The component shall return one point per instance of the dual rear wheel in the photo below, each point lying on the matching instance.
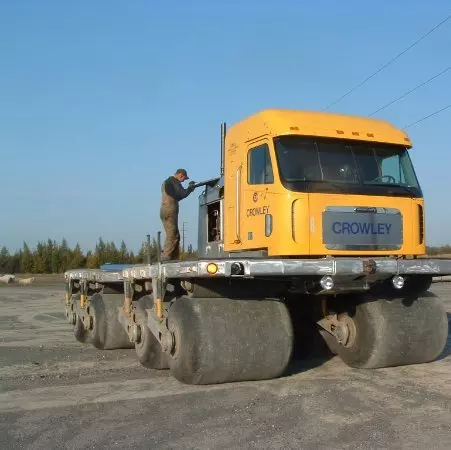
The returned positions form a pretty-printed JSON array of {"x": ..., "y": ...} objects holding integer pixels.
[
  {"x": 102, "y": 328},
  {"x": 387, "y": 332},
  {"x": 219, "y": 340},
  {"x": 226, "y": 340}
]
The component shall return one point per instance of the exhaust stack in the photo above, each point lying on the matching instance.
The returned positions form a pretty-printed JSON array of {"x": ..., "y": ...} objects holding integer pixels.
[{"x": 223, "y": 136}]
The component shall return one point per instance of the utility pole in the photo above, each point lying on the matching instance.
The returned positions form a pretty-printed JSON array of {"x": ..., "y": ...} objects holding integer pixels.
[
  {"x": 148, "y": 249},
  {"x": 183, "y": 237}
]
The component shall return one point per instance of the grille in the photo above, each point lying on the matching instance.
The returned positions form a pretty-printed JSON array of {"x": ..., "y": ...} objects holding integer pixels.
[{"x": 421, "y": 224}]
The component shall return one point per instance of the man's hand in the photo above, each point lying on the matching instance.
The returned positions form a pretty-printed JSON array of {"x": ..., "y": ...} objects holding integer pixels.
[{"x": 192, "y": 185}]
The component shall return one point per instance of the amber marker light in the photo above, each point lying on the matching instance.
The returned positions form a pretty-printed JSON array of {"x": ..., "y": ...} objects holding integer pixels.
[{"x": 212, "y": 268}]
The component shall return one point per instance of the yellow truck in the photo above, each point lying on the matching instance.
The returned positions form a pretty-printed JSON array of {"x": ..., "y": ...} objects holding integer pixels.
[{"x": 315, "y": 223}]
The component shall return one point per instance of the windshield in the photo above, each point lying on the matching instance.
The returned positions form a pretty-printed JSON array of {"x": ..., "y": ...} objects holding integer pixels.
[{"x": 310, "y": 164}]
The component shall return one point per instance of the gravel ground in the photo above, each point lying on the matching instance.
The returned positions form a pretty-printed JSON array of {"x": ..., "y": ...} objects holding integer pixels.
[{"x": 58, "y": 393}]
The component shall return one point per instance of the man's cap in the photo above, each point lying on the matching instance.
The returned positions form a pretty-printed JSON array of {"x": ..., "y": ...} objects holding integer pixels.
[{"x": 183, "y": 172}]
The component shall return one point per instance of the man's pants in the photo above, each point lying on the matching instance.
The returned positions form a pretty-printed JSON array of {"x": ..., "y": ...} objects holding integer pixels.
[{"x": 171, "y": 249}]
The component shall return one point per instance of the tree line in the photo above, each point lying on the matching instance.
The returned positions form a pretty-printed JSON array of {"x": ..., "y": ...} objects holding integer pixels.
[
  {"x": 57, "y": 257},
  {"x": 437, "y": 251},
  {"x": 54, "y": 257}
]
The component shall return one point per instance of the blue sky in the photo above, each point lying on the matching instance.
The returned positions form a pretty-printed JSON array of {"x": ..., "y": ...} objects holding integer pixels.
[{"x": 100, "y": 101}]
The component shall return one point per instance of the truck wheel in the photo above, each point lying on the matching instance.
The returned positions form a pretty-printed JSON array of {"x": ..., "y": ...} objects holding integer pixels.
[
  {"x": 81, "y": 333},
  {"x": 149, "y": 351},
  {"x": 392, "y": 332},
  {"x": 70, "y": 308},
  {"x": 107, "y": 332},
  {"x": 221, "y": 340}
]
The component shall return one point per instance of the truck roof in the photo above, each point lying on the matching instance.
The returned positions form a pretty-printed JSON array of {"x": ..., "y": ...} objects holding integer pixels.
[{"x": 279, "y": 122}]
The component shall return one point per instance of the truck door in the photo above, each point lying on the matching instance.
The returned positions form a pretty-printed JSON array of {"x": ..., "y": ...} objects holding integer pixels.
[{"x": 257, "y": 180}]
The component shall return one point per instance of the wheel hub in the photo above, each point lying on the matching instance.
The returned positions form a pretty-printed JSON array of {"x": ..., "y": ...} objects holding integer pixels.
[
  {"x": 346, "y": 331},
  {"x": 167, "y": 342},
  {"x": 342, "y": 327},
  {"x": 341, "y": 333},
  {"x": 88, "y": 322},
  {"x": 73, "y": 319},
  {"x": 135, "y": 333}
]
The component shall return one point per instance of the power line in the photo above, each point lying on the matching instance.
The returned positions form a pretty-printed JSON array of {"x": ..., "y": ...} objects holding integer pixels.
[
  {"x": 389, "y": 62},
  {"x": 427, "y": 117},
  {"x": 411, "y": 90}
]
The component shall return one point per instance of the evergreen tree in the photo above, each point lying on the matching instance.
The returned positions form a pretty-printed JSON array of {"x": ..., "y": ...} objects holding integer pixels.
[
  {"x": 124, "y": 256},
  {"x": 13, "y": 265},
  {"x": 4, "y": 259},
  {"x": 48, "y": 250},
  {"x": 92, "y": 260},
  {"x": 65, "y": 255},
  {"x": 111, "y": 253},
  {"x": 142, "y": 254},
  {"x": 100, "y": 251},
  {"x": 78, "y": 260},
  {"x": 55, "y": 264},
  {"x": 39, "y": 256},
  {"x": 26, "y": 265}
]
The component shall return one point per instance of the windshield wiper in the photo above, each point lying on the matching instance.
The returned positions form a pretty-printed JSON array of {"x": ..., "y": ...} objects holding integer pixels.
[
  {"x": 408, "y": 189},
  {"x": 339, "y": 186}
]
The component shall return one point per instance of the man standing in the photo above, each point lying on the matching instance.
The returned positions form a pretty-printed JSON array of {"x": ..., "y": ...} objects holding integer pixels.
[{"x": 172, "y": 192}]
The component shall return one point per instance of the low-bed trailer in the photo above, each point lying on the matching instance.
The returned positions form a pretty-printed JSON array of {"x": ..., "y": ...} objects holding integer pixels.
[{"x": 281, "y": 257}]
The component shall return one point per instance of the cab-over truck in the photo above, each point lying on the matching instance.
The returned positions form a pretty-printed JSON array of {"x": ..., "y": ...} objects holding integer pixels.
[{"x": 316, "y": 222}]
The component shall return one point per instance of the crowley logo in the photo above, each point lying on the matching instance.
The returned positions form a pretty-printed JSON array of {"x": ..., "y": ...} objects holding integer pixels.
[
  {"x": 255, "y": 196},
  {"x": 361, "y": 228}
]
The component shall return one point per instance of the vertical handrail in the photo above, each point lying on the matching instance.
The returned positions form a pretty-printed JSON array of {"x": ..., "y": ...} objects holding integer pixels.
[
  {"x": 159, "y": 247},
  {"x": 238, "y": 192}
]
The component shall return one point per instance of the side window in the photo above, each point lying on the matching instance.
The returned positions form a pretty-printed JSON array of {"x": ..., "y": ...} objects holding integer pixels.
[
  {"x": 259, "y": 166},
  {"x": 391, "y": 168}
]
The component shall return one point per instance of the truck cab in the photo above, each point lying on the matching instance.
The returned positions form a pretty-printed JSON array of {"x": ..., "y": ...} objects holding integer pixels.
[{"x": 300, "y": 183}]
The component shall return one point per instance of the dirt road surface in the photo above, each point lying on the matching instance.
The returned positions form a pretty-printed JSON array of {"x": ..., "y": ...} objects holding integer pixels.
[{"x": 58, "y": 393}]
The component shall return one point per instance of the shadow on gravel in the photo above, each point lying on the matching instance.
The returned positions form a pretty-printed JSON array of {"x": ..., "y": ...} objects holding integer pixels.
[
  {"x": 302, "y": 365},
  {"x": 447, "y": 350},
  {"x": 308, "y": 354}
]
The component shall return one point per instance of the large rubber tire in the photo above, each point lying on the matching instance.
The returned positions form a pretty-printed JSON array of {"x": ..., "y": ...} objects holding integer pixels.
[
  {"x": 108, "y": 333},
  {"x": 80, "y": 333},
  {"x": 148, "y": 349},
  {"x": 394, "y": 332},
  {"x": 223, "y": 340}
]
